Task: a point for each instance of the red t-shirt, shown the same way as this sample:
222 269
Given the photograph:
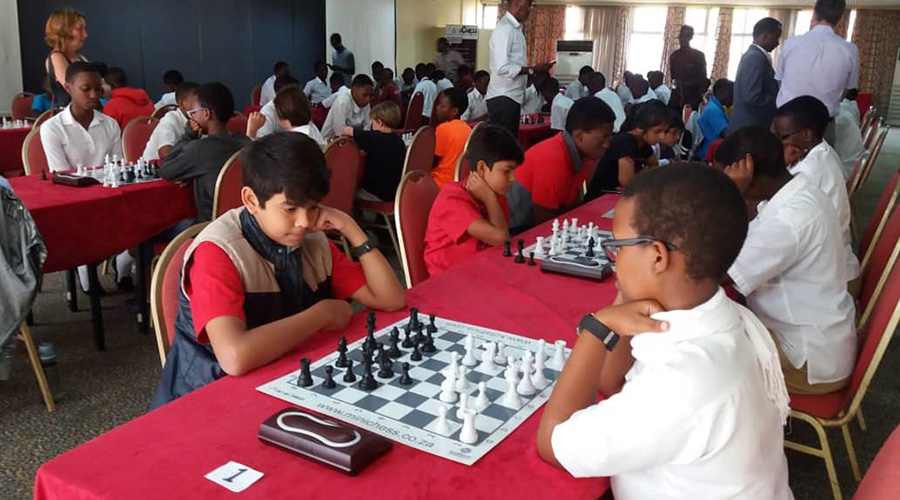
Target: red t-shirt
549 176
447 241
126 104
215 288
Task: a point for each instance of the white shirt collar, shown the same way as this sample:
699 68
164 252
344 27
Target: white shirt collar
68 120
512 19
783 195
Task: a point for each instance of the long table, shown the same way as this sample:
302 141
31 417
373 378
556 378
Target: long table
167 452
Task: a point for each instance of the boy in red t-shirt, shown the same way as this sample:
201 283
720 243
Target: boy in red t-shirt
471 215
450 136
262 279
125 103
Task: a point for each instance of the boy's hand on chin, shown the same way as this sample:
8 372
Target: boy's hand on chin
632 318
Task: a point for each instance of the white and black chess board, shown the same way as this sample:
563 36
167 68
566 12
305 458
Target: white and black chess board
116 174
572 255
410 414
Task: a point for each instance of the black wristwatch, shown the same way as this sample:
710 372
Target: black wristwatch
599 330
357 252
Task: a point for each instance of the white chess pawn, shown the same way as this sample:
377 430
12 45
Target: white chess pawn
448 389
79 169
463 405
469 359
539 381
527 356
487 358
555 225
539 248
462 383
442 426
539 354
565 226
482 401
511 397
453 367
554 247
468 434
500 358
559 355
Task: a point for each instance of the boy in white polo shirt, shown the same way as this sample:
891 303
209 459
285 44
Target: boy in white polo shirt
172 126
791 266
699 413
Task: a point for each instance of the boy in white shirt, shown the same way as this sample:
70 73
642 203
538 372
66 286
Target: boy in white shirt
295 115
350 109
790 268
171 80
623 90
597 88
267 92
662 92
801 124
559 104
172 126
336 82
695 400
317 89
265 121
427 88
441 81
79 134
533 102
477 109
579 88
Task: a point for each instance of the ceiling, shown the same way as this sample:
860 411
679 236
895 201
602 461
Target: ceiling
853 4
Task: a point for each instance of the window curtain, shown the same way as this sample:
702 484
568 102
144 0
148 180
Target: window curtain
841 27
787 18
674 21
877 37
621 35
545 25
599 24
723 44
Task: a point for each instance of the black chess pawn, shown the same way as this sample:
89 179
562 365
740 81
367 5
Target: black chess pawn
414 317
506 251
428 345
387 367
329 380
349 376
416 354
590 250
342 353
370 341
431 328
531 259
305 377
368 382
394 351
405 379
520 259
43 175
370 320
407 340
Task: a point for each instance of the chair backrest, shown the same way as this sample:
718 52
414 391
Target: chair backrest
164 288
884 253
237 124
686 112
162 111
420 153
883 209
254 95
136 135
228 186
882 480
415 196
853 181
46 115
463 167
867 119
21 105
869 134
343 158
33 158
414 112
874 152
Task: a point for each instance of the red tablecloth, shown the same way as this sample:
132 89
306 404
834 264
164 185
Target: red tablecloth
166 453
85 225
529 135
11 150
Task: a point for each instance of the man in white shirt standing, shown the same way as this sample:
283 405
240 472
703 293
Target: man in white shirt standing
792 266
578 88
695 399
317 89
819 63
267 92
350 109
447 59
509 69
426 87
477 109
597 88
172 126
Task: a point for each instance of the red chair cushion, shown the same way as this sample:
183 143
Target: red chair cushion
414 112
882 480
136 135
417 195
237 124
171 282
342 158
821 406
230 188
420 155
880 208
21 106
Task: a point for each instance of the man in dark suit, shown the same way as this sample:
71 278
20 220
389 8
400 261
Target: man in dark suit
687 67
755 88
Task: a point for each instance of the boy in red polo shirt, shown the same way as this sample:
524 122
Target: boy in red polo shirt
551 179
471 215
126 103
450 136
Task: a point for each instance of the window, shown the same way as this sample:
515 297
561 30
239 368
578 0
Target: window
852 23
704 21
489 16
804 19
645 41
742 35
574 23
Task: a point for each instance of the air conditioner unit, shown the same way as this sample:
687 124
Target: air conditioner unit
571 55
893 111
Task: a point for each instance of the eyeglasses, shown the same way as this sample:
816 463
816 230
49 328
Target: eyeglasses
612 246
192 112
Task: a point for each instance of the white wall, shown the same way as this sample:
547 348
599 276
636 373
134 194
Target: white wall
10 56
367 29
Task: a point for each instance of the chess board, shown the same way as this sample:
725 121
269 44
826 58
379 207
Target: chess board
100 175
407 414
573 259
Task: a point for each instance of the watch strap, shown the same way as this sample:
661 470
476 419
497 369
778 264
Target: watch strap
359 251
599 330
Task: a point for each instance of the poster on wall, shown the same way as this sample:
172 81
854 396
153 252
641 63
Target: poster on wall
463 38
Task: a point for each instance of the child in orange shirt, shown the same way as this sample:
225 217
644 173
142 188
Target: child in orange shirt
451 135
471 215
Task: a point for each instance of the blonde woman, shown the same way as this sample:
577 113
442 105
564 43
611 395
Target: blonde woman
65 33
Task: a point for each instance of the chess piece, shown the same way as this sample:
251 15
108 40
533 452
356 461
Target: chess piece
342 353
43 175
530 358
555 225
305 377
468 434
559 356
462 383
506 250
487 359
482 401
368 382
416 354
531 259
431 328
511 397
539 248
442 426
414 318
526 387
469 359
405 379
386 363
395 351
428 346
448 388
500 358
454 364
538 380
520 259
540 354
370 320
590 250
407 341
329 380
463 405
574 225
349 376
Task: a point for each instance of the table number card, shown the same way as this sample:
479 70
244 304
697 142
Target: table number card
234 476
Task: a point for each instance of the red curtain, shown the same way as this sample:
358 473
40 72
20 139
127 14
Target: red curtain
545 25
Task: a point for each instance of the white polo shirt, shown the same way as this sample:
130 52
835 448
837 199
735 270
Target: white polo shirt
344 113
271 126
443 84
533 102
267 91
693 421
317 90
559 111
663 93
613 101
624 94
848 140
427 88
822 167
508 55
477 106
312 131
790 270
329 101
649 96
167 132
576 90
167 99
67 144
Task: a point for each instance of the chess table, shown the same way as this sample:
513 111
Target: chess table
167 452
11 140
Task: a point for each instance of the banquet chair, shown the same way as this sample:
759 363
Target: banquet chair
881 261
414 112
21 105
869 133
33 158
419 156
136 135
867 119
838 409
686 112
164 288
883 208
415 197
871 160
237 124
462 163
46 115
163 111
254 95
25 336
855 173
342 157
227 194
882 480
